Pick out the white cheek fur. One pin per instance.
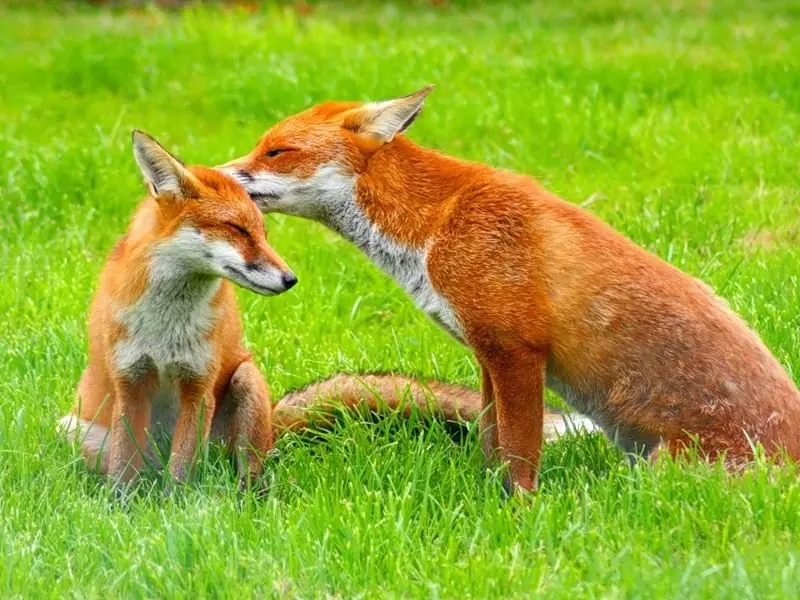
(179, 255)
(267, 189)
(289, 194)
(222, 254)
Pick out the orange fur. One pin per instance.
(540, 289)
(223, 391)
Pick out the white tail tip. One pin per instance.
(92, 437)
(559, 424)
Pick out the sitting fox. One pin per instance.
(165, 342)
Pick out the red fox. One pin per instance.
(543, 292)
(165, 340)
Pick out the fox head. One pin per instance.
(207, 224)
(307, 164)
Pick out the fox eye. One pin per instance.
(275, 152)
(238, 229)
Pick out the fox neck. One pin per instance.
(406, 190)
(391, 211)
(404, 193)
(169, 322)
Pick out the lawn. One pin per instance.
(678, 125)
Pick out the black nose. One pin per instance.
(289, 280)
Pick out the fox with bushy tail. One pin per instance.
(542, 291)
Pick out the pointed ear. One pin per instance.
(382, 121)
(164, 173)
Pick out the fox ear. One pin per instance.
(382, 121)
(164, 173)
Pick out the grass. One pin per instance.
(677, 124)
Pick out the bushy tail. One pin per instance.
(319, 401)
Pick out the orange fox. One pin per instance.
(165, 342)
(542, 291)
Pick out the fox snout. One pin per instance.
(273, 270)
(256, 268)
(289, 280)
(264, 188)
(262, 277)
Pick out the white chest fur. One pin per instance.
(169, 325)
(407, 266)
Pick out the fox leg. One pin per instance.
(131, 416)
(518, 389)
(488, 425)
(247, 421)
(192, 427)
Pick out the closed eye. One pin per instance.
(276, 152)
(239, 229)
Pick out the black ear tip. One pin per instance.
(137, 137)
(421, 93)
(424, 91)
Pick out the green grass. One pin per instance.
(679, 125)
